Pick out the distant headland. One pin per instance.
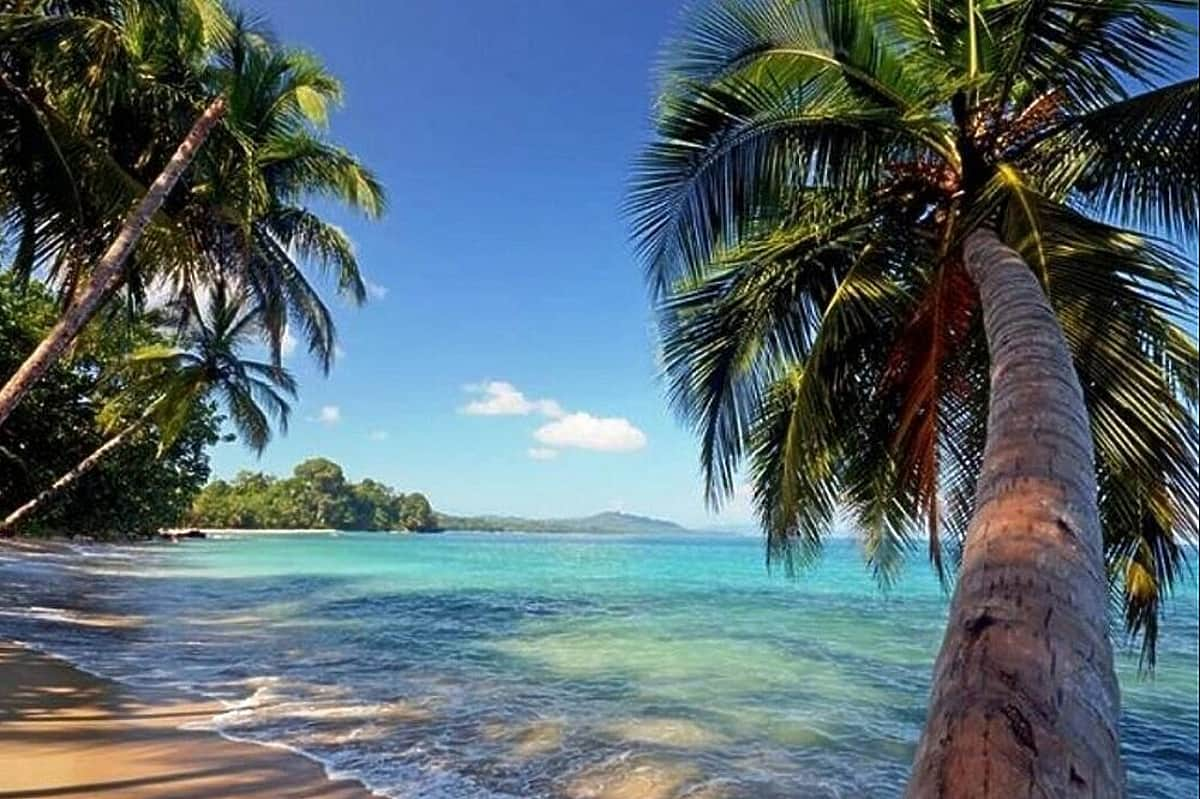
(606, 522)
(317, 496)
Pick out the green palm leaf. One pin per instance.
(1136, 161)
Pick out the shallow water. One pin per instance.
(585, 667)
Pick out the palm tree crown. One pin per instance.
(207, 362)
(95, 96)
(251, 220)
(801, 212)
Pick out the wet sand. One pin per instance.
(65, 733)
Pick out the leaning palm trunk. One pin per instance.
(110, 271)
(61, 484)
(1025, 700)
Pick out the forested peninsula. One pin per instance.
(317, 495)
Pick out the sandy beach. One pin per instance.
(65, 733)
(249, 531)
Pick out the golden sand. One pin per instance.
(65, 733)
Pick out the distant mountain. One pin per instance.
(607, 522)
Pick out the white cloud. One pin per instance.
(375, 291)
(378, 435)
(577, 429)
(501, 398)
(330, 414)
(582, 430)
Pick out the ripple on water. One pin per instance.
(494, 667)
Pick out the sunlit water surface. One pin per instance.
(587, 667)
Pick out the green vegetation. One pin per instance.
(316, 496)
(138, 489)
(93, 103)
(156, 155)
(905, 263)
(162, 385)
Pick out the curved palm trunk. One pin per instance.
(61, 484)
(110, 271)
(1025, 700)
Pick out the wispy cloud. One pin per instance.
(375, 291)
(378, 435)
(578, 429)
(329, 414)
(501, 398)
(582, 430)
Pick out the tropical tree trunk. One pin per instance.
(1025, 700)
(110, 271)
(61, 484)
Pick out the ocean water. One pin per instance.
(585, 667)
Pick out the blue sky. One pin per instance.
(504, 133)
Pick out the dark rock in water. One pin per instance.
(194, 534)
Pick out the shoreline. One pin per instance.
(266, 531)
(180, 531)
(71, 733)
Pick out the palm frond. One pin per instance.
(248, 418)
(729, 336)
(311, 238)
(286, 294)
(728, 152)
(796, 41)
(919, 383)
(299, 166)
(793, 461)
(1087, 50)
(811, 421)
(1135, 162)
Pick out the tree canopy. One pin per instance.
(94, 97)
(97, 101)
(136, 491)
(316, 496)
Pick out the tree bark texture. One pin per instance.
(1025, 700)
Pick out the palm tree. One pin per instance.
(251, 222)
(171, 382)
(240, 215)
(906, 264)
(42, 137)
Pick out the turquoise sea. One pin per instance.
(586, 667)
